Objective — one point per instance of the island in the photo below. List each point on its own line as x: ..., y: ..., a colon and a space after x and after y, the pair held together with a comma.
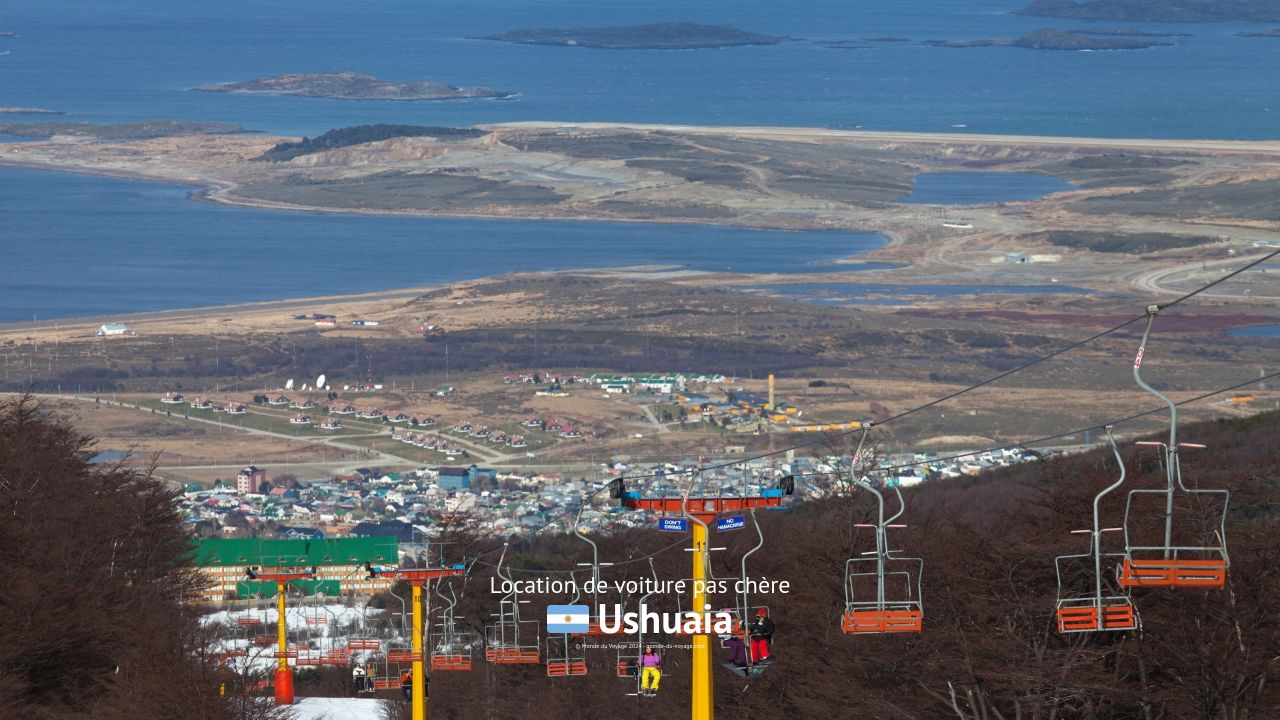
x: 1050, y: 39
x: 122, y: 131
x: 352, y: 86
x: 28, y: 111
x: 888, y: 38
x: 1273, y: 32
x: 1127, y: 32
x: 8, y: 33
x: 662, y: 36
x: 842, y: 45
x: 1158, y: 10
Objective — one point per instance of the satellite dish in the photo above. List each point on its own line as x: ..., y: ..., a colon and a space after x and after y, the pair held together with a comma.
x: 289, y: 385
x: 304, y: 387
x: 320, y: 381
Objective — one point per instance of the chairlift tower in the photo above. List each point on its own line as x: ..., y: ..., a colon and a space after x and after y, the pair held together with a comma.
x: 284, y: 675
x: 701, y: 510
x: 417, y: 577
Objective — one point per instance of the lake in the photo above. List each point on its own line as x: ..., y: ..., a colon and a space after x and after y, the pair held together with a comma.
x: 81, y: 245
x: 979, y: 188
x: 1265, y: 331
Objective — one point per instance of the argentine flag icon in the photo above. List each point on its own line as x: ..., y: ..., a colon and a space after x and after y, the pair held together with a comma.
x: 568, y: 618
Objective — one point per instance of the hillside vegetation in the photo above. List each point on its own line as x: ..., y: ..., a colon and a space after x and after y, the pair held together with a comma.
x: 360, y: 134
x: 989, y: 648
x: 97, y: 568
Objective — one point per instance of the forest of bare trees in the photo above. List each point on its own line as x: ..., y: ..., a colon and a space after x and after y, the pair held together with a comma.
x: 94, y: 623
x: 990, y: 649
x: 96, y: 570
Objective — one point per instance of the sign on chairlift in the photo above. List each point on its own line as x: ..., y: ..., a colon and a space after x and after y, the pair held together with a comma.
x: 737, y: 522
x: 673, y: 524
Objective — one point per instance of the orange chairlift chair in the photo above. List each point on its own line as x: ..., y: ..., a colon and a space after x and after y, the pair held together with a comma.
x: 451, y: 651
x: 1195, y: 554
x: 565, y: 657
x: 896, y: 609
x: 1097, y: 611
x: 364, y: 641
x: 510, y: 640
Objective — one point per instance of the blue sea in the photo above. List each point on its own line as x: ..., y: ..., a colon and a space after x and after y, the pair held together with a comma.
x: 127, y: 246
x: 128, y: 60
x: 95, y: 246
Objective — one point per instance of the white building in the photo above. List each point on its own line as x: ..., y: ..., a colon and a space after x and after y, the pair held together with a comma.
x: 111, y: 329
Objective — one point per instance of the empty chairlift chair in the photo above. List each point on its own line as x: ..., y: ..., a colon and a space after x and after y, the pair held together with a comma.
x: 510, y: 640
x: 1100, y: 609
x: 882, y: 588
x: 1183, y: 545
x: 451, y: 651
x: 564, y: 653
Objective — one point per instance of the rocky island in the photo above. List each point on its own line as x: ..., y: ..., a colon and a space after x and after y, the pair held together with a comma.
x: 1126, y: 32
x: 28, y: 111
x: 1158, y: 10
x: 842, y: 45
x: 663, y: 36
x: 353, y: 86
x: 1050, y: 39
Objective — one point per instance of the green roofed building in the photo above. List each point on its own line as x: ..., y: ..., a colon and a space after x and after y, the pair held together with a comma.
x: 339, y: 564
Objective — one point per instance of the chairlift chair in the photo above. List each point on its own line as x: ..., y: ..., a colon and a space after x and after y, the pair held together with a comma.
x: 897, y: 605
x: 564, y: 650
x: 451, y: 651
x: 745, y: 612
x: 1177, y: 560
x: 629, y: 664
x: 1097, y: 611
x: 510, y: 640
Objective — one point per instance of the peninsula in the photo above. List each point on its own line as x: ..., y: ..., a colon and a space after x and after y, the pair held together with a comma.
x: 122, y: 131
x: 1050, y: 39
x: 663, y: 36
x: 1158, y: 10
x: 353, y: 86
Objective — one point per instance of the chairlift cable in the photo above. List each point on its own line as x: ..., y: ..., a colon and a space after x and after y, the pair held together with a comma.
x: 958, y: 393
